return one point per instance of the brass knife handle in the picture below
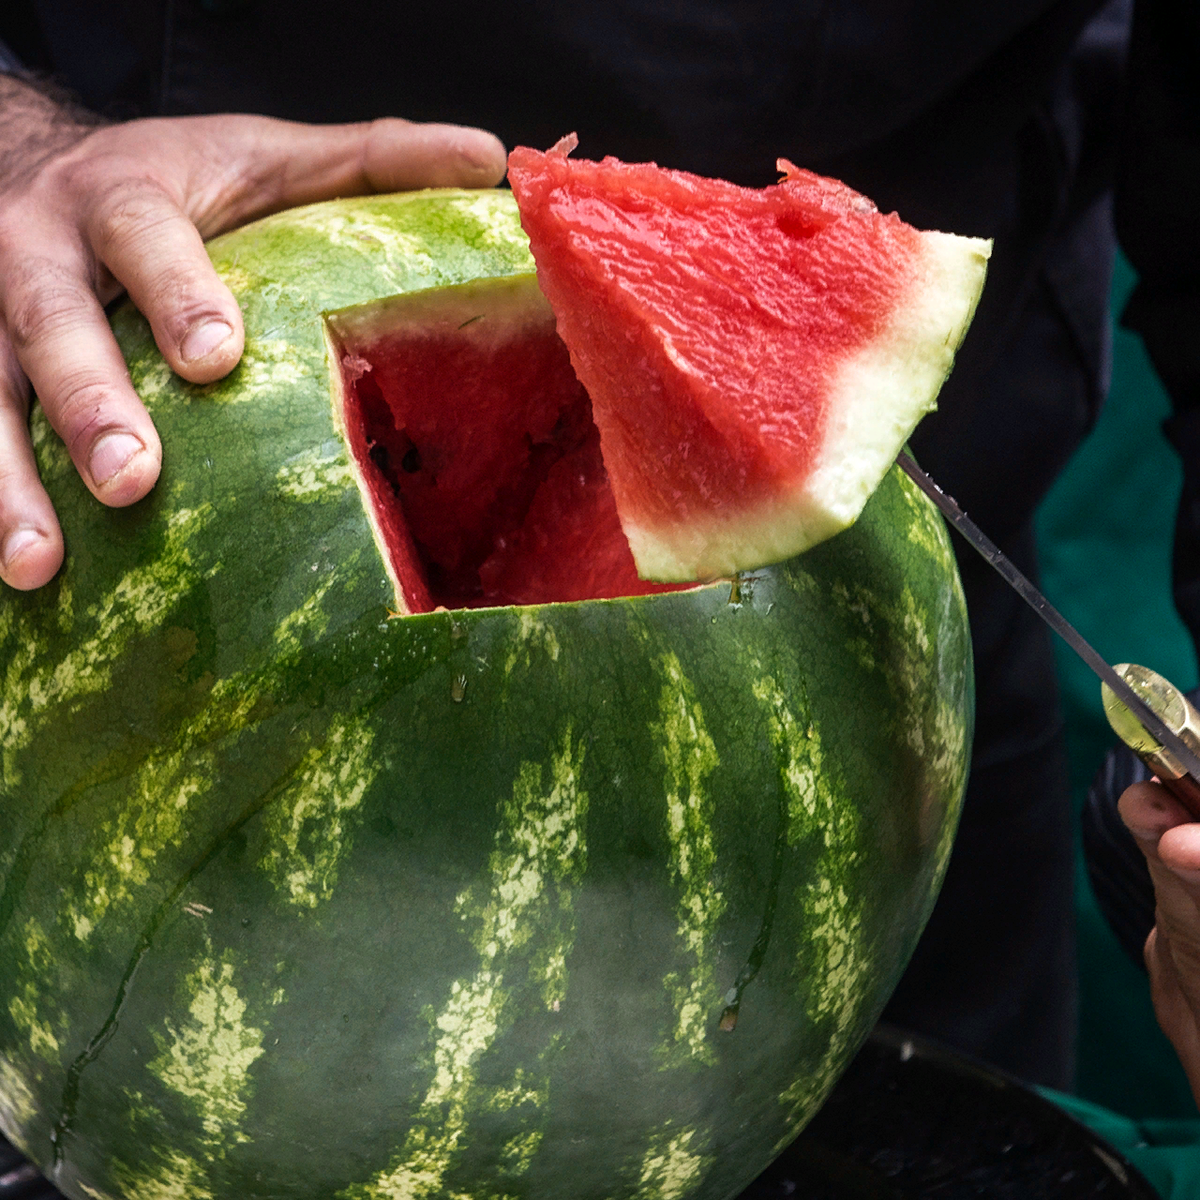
(1171, 707)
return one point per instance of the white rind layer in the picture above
(878, 397)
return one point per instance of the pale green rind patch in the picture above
(497, 226)
(834, 963)
(28, 1003)
(93, 1193)
(18, 1108)
(391, 251)
(526, 896)
(307, 825)
(671, 1169)
(797, 745)
(154, 816)
(306, 623)
(206, 1061)
(158, 803)
(925, 528)
(931, 710)
(36, 690)
(52, 454)
(177, 1177)
(839, 968)
(312, 473)
(690, 757)
(518, 1152)
(533, 633)
(270, 365)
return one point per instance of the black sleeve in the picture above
(1158, 224)
(22, 46)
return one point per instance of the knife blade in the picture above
(1162, 716)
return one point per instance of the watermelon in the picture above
(755, 358)
(340, 857)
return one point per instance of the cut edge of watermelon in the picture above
(880, 395)
(406, 605)
(884, 390)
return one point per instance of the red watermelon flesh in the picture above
(755, 358)
(475, 442)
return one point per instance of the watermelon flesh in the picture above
(474, 441)
(755, 358)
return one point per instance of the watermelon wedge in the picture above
(755, 358)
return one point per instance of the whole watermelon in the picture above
(299, 898)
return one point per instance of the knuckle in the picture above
(128, 209)
(15, 475)
(43, 300)
(79, 407)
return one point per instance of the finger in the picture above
(63, 344)
(1174, 1009)
(1179, 852)
(400, 155)
(267, 165)
(1148, 811)
(1170, 840)
(31, 546)
(1165, 831)
(156, 252)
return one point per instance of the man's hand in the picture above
(88, 211)
(1170, 840)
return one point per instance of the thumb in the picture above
(270, 164)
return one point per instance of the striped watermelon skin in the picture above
(302, 899)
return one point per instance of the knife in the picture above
(1148, 713)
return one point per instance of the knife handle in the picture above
(1171, 707)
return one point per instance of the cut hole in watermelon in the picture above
(475, 447)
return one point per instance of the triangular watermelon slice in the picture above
(755, 358)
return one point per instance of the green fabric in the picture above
(1167, 1152)
(1106, 547)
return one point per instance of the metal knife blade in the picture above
(1165, 737)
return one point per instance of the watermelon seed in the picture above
(411, 462)
(378, 454)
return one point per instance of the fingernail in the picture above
(203, 339)
(18, 543)
(111, 454)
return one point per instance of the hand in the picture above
(87, 211)
(1170, 840)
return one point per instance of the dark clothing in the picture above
(995, 119)
(1116, 867)
(1158, 199)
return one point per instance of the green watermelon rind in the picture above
(301, 899)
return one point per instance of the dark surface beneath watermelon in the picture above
(908, 1119)
(482, 461)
